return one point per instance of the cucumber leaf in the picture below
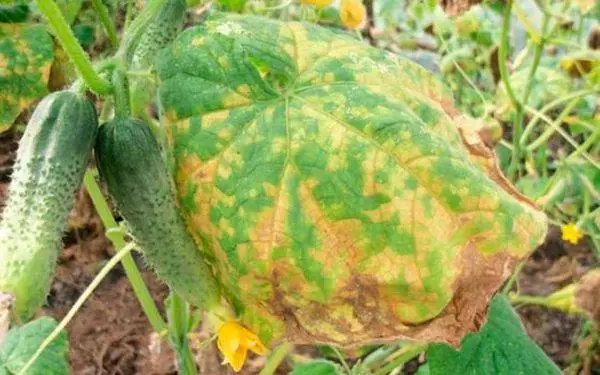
(21, 343)
(501, 347)
(305, 151)
(26, 54)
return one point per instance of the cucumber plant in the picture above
(317, 191)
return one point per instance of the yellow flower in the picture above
(571, 233)
(564, 299)
(353, 13)
(234, 341)
(317, 3)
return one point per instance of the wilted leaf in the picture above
(586, 295)
(580, 63)
(22, 342)
(457, 7)
(26, 53)
(338, 182)
(63, 72)
(501, 347)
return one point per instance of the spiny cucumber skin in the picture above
(162, 31)
(129, 160)
(51, 160)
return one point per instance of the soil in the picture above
(110, 334)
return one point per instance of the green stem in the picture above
(555, 127)
(341, 359)
(548, 107)
(527, 25)
(115, 234)
(504, 76)
(503, 55)
(179, 325)
(188, 362)
(68, 41)
(554, 124)
(121, 93)
(513, 278)
(276, 358)
(592, 139)
(137, 28)
(537, 55)
(515, 164)
(529, 300)
(109, 26)
(128, 14)
(402, 356)
(123, 252)
(379, 355)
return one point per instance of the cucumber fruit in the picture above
(51, 160)
(130, 162)
(160, 33)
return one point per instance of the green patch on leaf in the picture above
(21, 343)
(26, 53)
(501, 347)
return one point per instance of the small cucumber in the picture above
(160, 33)
(51, 160)
(130, 162)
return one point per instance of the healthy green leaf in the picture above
(21, 343)
(423, 369)
(26, 53)
(501, 347)
(317, 367)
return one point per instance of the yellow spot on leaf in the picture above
(235, 100)
(3, 62)
(571, 233)
(198, 41)
(270, 189)
(244, 89)
(234, 341)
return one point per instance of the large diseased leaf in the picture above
(340, 194)
(21, 343)
(501, 348)
(26, 53)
